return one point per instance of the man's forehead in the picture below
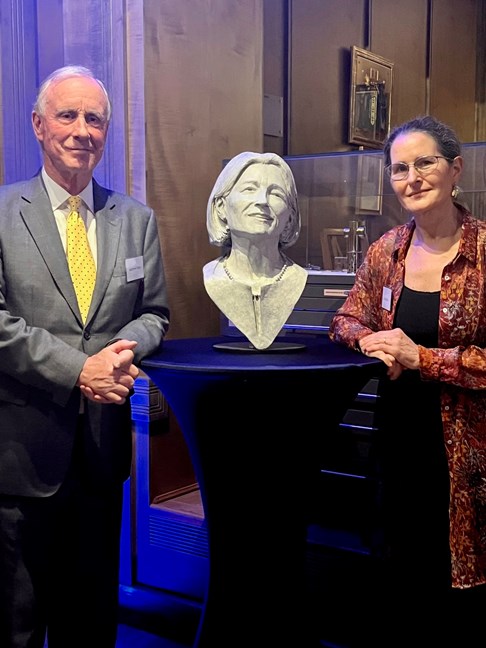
(76, 92)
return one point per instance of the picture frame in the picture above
(369, 185)
(370, 98)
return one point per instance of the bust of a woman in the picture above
(253, 214)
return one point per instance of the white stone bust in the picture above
(253, 213)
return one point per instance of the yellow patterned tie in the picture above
(80, 258)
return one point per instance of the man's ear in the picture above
(37, 126)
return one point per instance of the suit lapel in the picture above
(108, 229)
(36, 212)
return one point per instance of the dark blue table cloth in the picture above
(253, 422)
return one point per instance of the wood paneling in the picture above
(481, 73)
(275, 60)
(438, 64)
(453, 65)
(100, 46)
(321, 37)
(135, 102)
(20, 150)
(203, 99)
(398, 31)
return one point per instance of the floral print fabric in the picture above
(458, 364)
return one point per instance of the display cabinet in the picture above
(347, 202)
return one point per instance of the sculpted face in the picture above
(257, 205)
(73, 130)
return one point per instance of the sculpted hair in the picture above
(445, 137)
(67, 72)
(217, 224)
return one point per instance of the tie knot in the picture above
(74, 203)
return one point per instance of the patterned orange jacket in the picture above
(459, 364)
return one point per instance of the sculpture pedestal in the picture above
(253, 424)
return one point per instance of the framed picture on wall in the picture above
(370, 98)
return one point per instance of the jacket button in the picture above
(87, 335)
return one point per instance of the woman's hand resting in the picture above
(394, 348)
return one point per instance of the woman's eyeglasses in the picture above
(423, 165)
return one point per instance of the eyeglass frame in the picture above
(421, 173)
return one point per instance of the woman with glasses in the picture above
(419, 304)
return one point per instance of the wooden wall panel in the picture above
(2, 167)
(453, 65)
(204, 97)
(100, 45)
(275, 63)
(398, 31)
(481, 73)
(20, 151)
(135, 102)
(321, 37)
(30, 53)
(438, 64)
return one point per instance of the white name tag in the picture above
(386, 298)
(134, 267)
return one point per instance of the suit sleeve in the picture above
(151, 312)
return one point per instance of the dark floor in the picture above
(154, 619)
(129, 637)
(339, 581)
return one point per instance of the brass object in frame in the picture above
(334, 248)
(343, 248)
(370, 98)
(369, 189)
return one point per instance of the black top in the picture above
(417, 315)
(412, 455)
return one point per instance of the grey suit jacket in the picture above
(43, 343)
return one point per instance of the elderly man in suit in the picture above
(66, 371)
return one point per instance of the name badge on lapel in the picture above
(134, 267)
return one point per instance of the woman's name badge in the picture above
(386, 298)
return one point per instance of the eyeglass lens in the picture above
(423, 165)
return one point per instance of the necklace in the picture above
(276, 280)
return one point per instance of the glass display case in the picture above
(347, 202)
